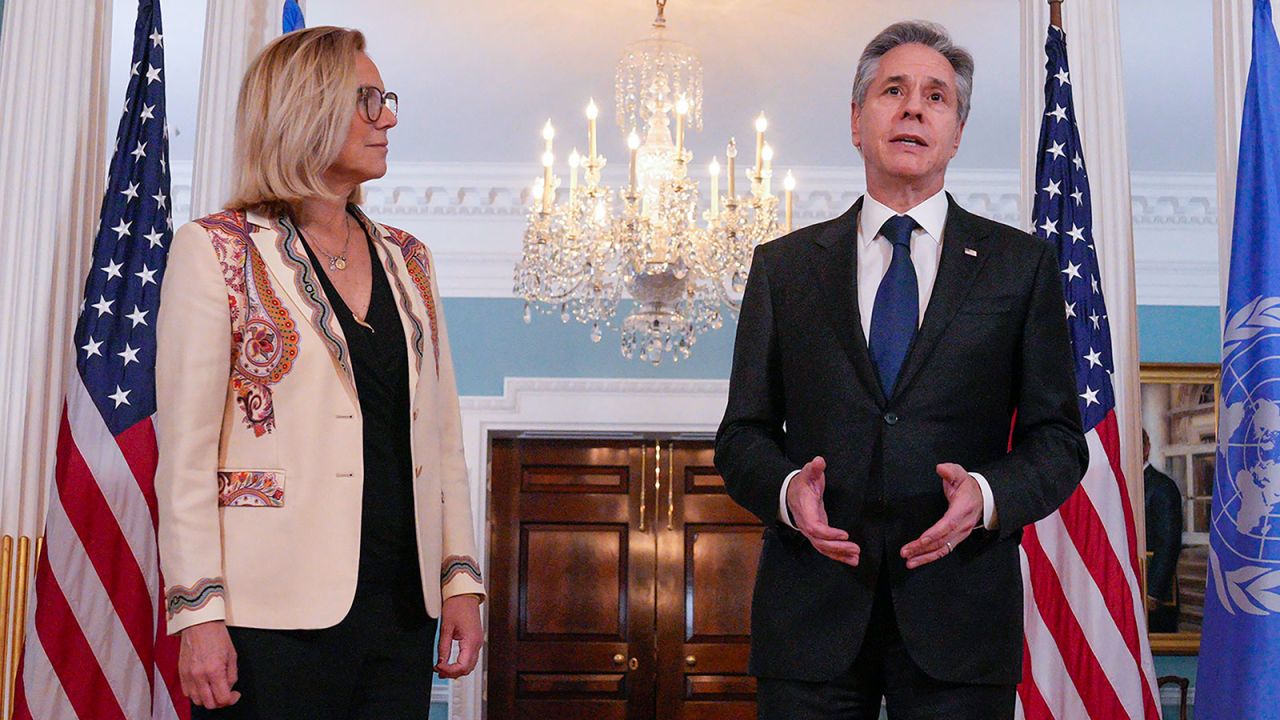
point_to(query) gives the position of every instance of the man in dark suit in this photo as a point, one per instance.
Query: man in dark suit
(1164, 542)
(902, 403)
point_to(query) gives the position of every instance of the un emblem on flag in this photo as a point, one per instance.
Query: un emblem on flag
(1246, 510)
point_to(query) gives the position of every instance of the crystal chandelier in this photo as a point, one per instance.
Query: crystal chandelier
(584, 250)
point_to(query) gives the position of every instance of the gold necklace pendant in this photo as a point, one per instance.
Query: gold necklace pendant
(337, 262)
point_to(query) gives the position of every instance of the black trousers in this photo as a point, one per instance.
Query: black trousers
(883, 669)
(376, 663)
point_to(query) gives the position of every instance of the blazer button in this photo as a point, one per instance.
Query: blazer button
(891, 418)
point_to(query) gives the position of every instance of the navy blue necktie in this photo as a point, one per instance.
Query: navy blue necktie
(897, 309)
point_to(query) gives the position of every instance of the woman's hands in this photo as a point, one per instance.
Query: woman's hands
(459, 620)
(207, 665)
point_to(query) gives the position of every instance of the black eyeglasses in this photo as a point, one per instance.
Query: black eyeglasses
(372, 100)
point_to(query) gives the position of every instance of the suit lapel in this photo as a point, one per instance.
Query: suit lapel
(963, 253)
(838, 285)
(280, 247)
(389, 254)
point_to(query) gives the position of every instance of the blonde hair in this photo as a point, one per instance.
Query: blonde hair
(292, 118)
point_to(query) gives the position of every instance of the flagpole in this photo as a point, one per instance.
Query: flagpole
(1055, 13)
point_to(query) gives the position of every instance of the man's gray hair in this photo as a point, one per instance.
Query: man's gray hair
(918, 32)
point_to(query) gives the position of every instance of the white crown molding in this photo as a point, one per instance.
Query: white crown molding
(1178, 282)
(497, 190)
(473, 216)
(568, 407)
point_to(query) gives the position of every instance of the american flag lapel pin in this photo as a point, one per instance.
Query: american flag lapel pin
(971, 252)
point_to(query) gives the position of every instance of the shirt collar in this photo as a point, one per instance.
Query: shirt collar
(931, 215)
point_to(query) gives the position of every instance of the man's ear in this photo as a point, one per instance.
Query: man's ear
(855, 113)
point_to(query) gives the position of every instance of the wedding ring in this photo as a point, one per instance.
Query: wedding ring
(948, 547)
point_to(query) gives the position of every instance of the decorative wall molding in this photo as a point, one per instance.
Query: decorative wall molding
(473, 216)
(569, 408)
(498, 190)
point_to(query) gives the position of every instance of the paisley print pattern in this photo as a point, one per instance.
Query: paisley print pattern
(264, 338)
(250, 488)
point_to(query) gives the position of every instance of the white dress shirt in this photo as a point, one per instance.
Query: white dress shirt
(874, 254)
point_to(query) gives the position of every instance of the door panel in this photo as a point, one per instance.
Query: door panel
(719, 560)
(571, 621)
(573, 582)
(707, 558)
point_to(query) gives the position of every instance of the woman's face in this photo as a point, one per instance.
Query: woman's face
(364, 154)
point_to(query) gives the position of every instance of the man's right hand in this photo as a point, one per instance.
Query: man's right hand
(809, 514)
(207, 665)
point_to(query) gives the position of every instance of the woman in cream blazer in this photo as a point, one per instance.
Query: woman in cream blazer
(315, 517)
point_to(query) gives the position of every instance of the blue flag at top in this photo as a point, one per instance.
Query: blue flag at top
(293, 19)
(1239, 675)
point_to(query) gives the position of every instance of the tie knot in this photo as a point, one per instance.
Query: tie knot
(897, 230)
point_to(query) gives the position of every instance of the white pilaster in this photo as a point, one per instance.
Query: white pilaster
(53, 62)
(235, 30)
(1097, 83)
(1232, 35)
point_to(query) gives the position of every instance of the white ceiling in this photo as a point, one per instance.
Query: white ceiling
(477, 78)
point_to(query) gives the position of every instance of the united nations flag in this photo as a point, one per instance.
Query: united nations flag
(1239, 670)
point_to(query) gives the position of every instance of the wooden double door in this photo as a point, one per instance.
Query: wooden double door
(620, 583)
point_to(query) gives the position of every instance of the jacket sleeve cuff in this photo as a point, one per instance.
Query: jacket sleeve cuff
(989, 520)
(460, 575)
(202, 602)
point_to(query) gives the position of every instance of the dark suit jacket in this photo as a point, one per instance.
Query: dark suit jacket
(993, 341)
(1164, 531)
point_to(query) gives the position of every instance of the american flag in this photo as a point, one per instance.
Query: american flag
(95, 643)
(1085, 651)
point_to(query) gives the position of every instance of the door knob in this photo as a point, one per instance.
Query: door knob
(691, 661)
(619, 659)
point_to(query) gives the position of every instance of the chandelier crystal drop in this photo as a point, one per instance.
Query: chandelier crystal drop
(585, 250)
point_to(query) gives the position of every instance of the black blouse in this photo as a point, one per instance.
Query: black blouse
(380, 363)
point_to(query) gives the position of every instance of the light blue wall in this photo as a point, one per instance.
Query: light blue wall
(1178, 333)
(491, 342)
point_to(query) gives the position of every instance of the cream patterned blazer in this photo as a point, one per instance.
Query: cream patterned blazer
(261, 469)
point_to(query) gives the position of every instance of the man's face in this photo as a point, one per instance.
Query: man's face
(908, 126)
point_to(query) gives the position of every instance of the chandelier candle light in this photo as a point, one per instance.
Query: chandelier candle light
(582, 254)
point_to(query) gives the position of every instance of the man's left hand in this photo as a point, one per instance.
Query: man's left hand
(459, 620)
(964, 512)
